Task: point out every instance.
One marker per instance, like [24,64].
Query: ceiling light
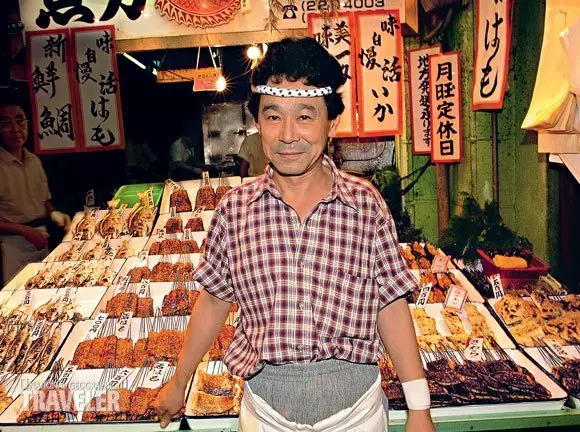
[253,52]
[221,84]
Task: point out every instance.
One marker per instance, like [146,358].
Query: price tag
[124,324]
[440,263]
[161,233]
[197,212]
[205,181]
[474,350]
[143,255]
[149,196]
[423,298]
[110,253]
[172,212]
[236,320]
[119,378]
[456,298]
[558,349]
[121,209]
[497,286]
[98,322]
[26,301]
[172,185]
[67,296]
[144,288]
[37,330]
[155,376]
[66,376]
[78,235]
[123,283]
[459,263]
[187,234]
[93,212]
[90,198]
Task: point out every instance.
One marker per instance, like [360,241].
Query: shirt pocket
[349,306]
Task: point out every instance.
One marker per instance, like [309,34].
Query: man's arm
[398,335]
[35,236]
[207,318]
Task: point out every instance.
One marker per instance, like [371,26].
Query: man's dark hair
[300,60]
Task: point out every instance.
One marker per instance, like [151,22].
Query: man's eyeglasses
[9,124]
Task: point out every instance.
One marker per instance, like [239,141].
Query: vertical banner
[51,91]
[446,126]
[97,87]
[379,47]
[493,41]
[335,33]
[419,95]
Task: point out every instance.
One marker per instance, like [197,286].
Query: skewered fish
[140,221]
[85,229]
[72,254]
[124,251]
[180,200]
[205,198]
[111,225]
[95,253]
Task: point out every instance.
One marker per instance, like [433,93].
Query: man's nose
[289,132]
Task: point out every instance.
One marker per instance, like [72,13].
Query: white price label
[119,378]
[79,246]
[456,298]
[197,212]
[161,233]
[187,234]
[93,212]
[474,350]
[172,185]
[144,288]
[143,255]
[440,263]
[121,209]
[558,349]
[423,298]
[110,253]
[78,235]
[37,330]
[90,198]
[27,295]
[124,324]
[497,286]
[155,376]
[67,297]
[66,376]
[123,283]
[205,181]
[98,322]
[172,212]
[149,196]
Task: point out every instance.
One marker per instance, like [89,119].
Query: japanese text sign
[51,91]
[445,95]
[493,40]
[337,36]
[419,96]
[97,82]
[379,72]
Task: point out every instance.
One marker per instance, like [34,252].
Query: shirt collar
[8,157]
[338,191]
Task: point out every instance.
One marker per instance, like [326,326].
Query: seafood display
[79,274]
[417,256]
[220,192]
[180,200]
[112,225]
[85,229]
[140,221]
[215,391]
[205,198]
[174,247]
[440,284]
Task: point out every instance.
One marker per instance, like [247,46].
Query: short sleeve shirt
[23,188]
[179,152]
[251,150]
[311,290]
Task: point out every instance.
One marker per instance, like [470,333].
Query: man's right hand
[35,236]
[169,401]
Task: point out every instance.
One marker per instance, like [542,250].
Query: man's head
[13,127]
[296,104]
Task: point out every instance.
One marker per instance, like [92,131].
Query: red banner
[445,95]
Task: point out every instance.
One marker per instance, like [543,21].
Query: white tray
[537,356]
[19,281]
[135,243]
[86,385]
[554,404]
[434,310]
[198,236]
[472,294]
[192,186]
[206,217]
[15,384]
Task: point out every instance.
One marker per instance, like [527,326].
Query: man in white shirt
[182,164]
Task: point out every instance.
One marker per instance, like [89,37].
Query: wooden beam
[203,40]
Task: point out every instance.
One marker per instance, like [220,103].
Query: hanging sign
[205,79]
[445,94]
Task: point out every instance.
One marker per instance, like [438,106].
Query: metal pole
[494,161]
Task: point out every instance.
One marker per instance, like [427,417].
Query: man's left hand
[60,219]
[420,421]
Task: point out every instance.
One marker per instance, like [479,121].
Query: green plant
[479,227]
[388,183]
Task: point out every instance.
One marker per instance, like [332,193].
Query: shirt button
[299,347]
[301,305]
[301,263]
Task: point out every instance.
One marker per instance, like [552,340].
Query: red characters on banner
[336,35]
[445,100]
[493,41]
[420,100]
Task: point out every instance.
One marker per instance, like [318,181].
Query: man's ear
[333,126]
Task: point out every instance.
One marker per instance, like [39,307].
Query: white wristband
[417,394]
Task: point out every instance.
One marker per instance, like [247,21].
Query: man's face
[13,127]
[294,130]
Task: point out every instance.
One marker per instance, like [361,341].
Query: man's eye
[272,117]
[304,117]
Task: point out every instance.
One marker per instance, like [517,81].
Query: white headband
[286,92]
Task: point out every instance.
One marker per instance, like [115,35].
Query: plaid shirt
[309,290]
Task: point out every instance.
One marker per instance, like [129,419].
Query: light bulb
[220,84]
[253,52]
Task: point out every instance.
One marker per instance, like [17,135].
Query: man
[182,164]
[253,160]
[24,197]
[310,254]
